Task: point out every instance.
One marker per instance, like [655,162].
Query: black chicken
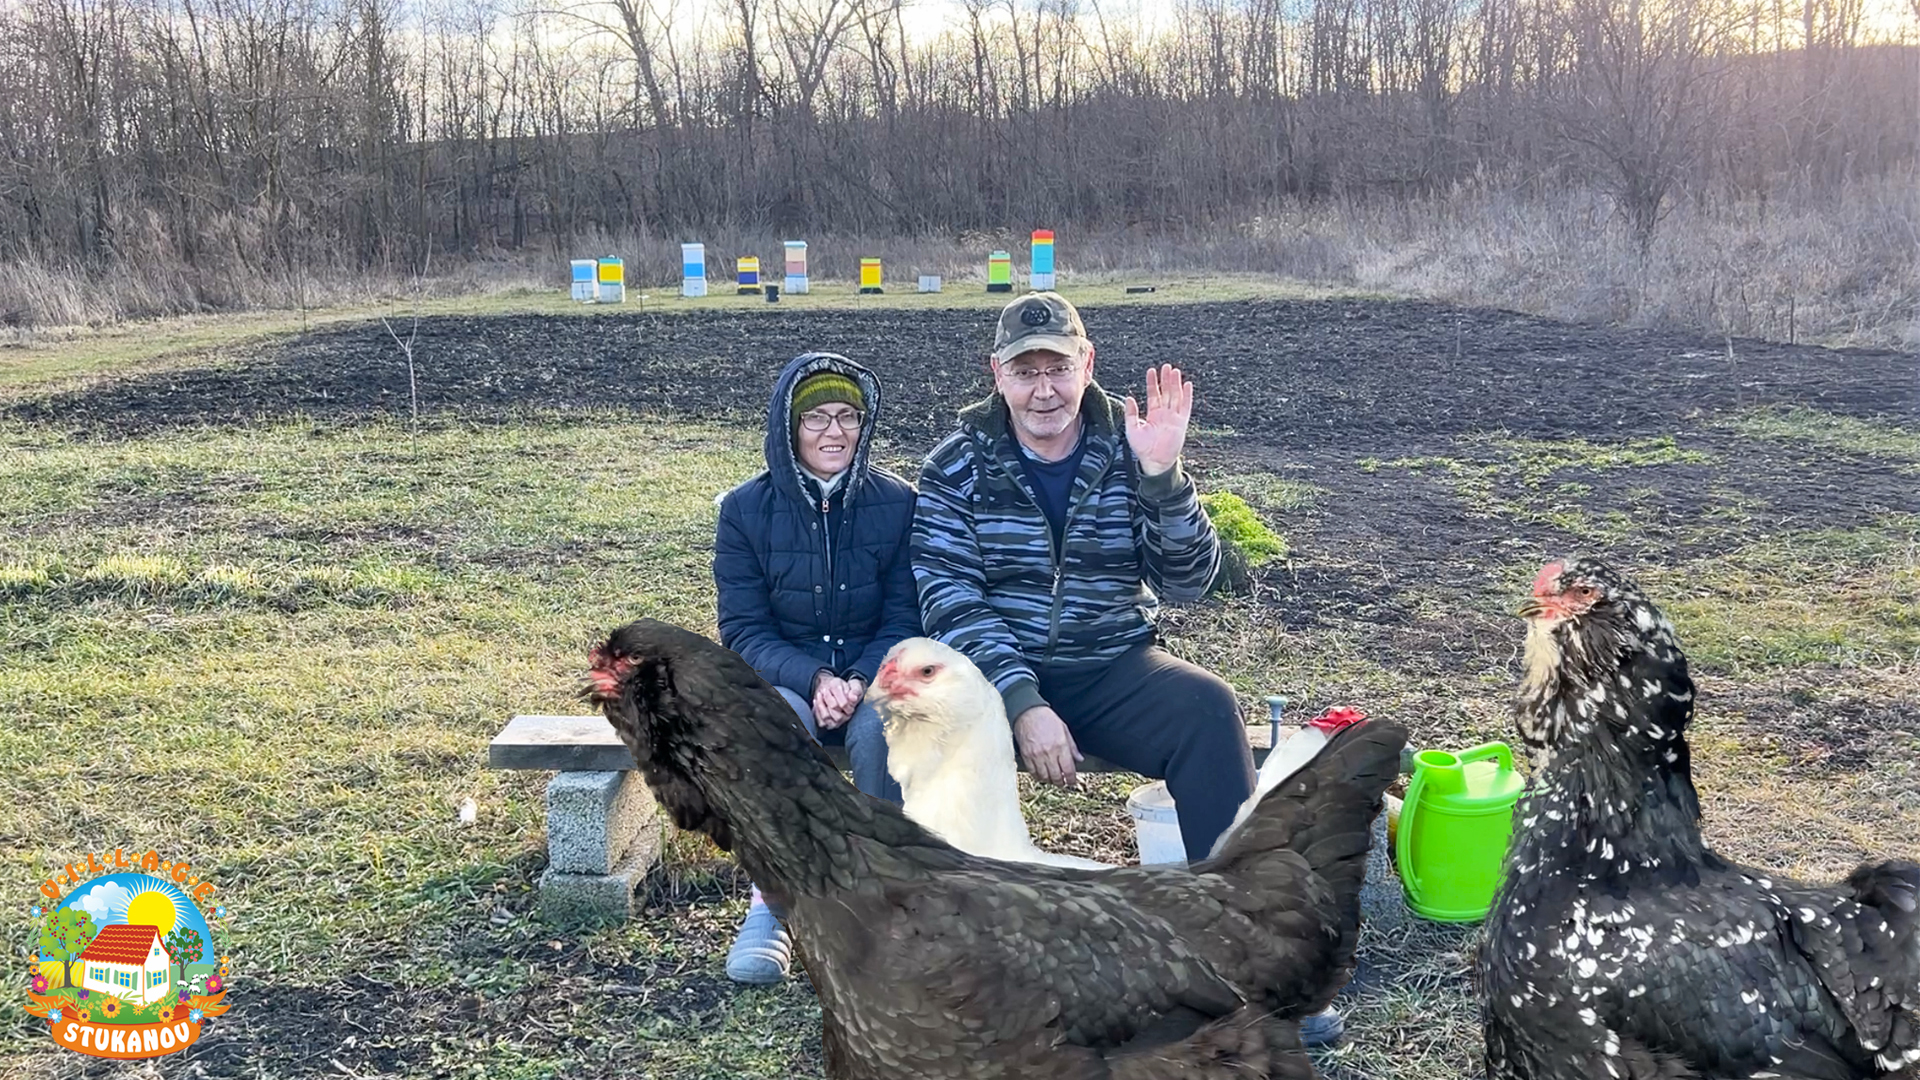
[930,962]
[1620,946]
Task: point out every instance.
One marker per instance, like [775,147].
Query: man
[1044,532]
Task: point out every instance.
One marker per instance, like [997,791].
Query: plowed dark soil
[1360,375]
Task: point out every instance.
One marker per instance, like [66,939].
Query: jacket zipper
[1053,550]
[1059,562]
[826,536]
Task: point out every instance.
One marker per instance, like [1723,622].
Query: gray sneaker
[762,952]
[1323,1028]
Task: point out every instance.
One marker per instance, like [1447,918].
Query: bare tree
[1638,92]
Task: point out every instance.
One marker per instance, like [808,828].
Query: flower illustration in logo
[194,1016]
[83,1015]
[39,984]
[53,1015]
[110,1008]
[220,912]
[34,911]
[214,984]
[185,993]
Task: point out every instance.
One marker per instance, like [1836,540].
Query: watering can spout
[1442,771]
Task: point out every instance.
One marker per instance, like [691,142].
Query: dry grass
[1836,268]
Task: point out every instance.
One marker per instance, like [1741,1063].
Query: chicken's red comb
[1338,717]
[608,672]
[1543,584]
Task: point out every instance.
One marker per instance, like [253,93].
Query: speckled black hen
[931,963]
[1620,945]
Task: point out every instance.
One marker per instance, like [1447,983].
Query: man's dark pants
[1153,713]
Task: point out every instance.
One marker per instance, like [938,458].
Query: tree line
[262,135]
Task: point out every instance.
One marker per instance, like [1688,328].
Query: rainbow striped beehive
[747,272]
[1042,275]
[693,270]
[999,272]
[796,282]
[870,276]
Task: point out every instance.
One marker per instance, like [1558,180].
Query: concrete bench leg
[603,835]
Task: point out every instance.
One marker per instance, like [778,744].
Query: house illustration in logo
[128,961]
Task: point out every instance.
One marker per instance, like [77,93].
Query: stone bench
[604,831]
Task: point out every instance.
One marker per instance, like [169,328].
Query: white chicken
[951,748]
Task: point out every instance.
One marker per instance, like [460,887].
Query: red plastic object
[1340,716]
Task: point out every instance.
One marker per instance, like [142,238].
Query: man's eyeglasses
[819,421]
[1026,378]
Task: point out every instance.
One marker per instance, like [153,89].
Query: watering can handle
[1403,848]
[1500,753]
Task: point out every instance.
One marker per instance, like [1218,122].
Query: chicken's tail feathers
[1892,963]
[1893,887]
[1324,810]
[1322,815]
[1866,949]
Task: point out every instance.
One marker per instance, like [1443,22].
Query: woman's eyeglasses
[819,421]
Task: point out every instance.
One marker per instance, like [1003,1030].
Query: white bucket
[1156,826]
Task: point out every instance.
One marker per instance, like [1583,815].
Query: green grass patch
[1829,431]
[1842,597]
[285,649]
[1240,527]
[164,579]
[1265,491]
[1848,597]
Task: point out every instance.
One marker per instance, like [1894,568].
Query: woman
[815,585]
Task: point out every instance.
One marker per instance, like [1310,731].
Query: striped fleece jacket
[991,583]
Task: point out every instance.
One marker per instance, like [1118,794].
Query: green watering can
[1454,827]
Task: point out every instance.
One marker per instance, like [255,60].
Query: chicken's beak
[883,679]
[1531,608]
